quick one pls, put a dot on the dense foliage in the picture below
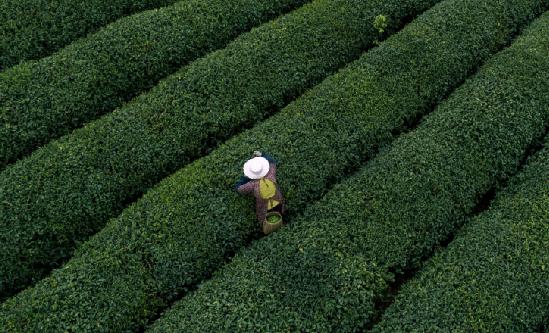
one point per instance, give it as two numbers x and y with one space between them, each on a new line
31 29
43 100
66 191
183 230
326 270
494 276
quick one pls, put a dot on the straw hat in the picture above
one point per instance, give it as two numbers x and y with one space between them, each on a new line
256 168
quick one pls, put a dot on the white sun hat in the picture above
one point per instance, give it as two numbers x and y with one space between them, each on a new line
256 168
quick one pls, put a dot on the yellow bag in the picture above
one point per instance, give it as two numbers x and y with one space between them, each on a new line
267 190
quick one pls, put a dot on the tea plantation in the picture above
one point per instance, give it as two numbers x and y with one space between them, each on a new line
412 149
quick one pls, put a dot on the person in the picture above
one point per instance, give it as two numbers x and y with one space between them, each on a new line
259 180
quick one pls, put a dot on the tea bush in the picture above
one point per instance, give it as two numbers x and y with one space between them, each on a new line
325 272
42 100
31 29
494 275
183 230
66 191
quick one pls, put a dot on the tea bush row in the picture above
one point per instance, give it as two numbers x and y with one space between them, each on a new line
494 275
66 191
326 270
31 29
182 230
42 100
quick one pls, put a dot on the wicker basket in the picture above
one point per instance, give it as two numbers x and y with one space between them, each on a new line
269 227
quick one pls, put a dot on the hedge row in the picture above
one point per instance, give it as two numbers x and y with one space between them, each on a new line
67 190
183 230
494 276
31 29
326 270
42 100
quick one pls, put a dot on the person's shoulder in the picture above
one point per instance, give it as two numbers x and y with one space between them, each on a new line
270 158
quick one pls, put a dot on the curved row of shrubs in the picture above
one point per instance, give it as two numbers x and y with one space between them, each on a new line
67 190
326 270
42 100
31 29
182 230
494 276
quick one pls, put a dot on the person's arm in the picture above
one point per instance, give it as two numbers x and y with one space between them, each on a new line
243 180
246 188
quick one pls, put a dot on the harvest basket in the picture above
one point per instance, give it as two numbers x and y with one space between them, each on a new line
273 222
